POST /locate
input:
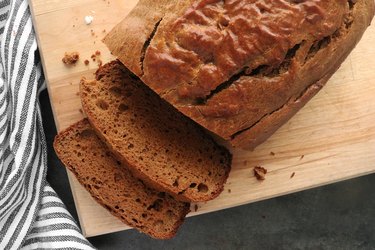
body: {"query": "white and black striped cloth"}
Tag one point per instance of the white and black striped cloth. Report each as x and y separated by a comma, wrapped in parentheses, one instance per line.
(31, 214)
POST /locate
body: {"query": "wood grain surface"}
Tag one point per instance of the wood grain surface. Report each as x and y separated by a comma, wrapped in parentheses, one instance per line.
(331, 139)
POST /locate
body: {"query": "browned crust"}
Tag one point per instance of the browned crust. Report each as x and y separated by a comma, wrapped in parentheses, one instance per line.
(142, 20)
(264, 128)
(238, 129)
(154, 234)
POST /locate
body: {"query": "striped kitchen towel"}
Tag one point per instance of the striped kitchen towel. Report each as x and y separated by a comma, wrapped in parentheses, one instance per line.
(31, 214)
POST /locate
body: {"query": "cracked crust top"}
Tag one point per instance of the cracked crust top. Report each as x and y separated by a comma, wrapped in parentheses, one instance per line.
(234, 65)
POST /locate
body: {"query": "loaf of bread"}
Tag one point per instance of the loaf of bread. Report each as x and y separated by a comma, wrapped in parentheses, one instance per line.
(239, 68)
(160, 146)
(111, 184)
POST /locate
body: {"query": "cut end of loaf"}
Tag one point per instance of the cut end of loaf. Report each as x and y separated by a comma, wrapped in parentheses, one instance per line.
(112, 185)
(162, 147)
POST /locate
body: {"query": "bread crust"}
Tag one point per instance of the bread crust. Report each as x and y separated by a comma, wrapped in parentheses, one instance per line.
(202, 58)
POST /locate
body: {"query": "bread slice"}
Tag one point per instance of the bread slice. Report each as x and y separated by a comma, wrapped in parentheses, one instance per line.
(240, 69)
(159, 144)
(111, 184)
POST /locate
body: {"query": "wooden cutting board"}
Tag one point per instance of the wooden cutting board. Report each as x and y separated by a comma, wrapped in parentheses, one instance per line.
(331, 139)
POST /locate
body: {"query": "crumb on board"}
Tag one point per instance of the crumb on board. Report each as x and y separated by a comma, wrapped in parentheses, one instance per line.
(245, 162)
(104, 31)
(229, 190)
(86, 62)
(302, 156)
(92, 32)
(292, 175)
(70, 58)
(77, 93)
(272, 153)
(81, 111)
(88, 19)
(195, 208)
(97, 53)
(260, 173)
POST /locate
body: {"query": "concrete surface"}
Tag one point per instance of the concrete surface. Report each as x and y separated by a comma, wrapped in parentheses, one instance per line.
(338, 216)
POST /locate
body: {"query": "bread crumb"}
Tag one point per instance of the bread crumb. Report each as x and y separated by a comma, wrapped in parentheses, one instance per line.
(92, 32)
(81, 111)
(77, 93)
(260, 173)
(87, 62)
(88, 19)
(229, 190)
(302, 156)
(195, 208)
(96, 58)
(104, 31)
(293, 174)
(70, 58)
(272, 153)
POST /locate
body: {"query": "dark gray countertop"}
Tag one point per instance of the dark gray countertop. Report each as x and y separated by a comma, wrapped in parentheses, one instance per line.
(338, 216)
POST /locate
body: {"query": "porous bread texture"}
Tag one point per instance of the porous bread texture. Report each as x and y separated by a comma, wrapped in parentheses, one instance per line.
(112, 185)
(240, 68)
(161, 146)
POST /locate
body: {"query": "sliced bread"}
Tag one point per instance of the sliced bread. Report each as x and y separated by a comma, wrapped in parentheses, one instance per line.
(159, 144)
(111, 184)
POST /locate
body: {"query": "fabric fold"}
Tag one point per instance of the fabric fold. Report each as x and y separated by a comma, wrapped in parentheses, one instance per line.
(31, 214)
